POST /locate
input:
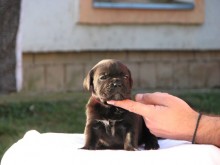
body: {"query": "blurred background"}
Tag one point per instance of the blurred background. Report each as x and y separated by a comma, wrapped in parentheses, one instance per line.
(47, 47)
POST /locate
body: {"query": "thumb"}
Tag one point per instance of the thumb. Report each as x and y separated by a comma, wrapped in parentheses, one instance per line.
(133, 106)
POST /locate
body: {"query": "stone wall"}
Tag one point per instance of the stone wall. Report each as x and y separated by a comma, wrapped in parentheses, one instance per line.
(58, 71)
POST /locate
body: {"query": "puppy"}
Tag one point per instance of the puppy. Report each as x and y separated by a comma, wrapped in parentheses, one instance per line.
(107, 126)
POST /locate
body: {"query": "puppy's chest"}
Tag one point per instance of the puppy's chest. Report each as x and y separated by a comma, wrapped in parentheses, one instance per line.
(111, 121)
(110, 125)
(112, 113)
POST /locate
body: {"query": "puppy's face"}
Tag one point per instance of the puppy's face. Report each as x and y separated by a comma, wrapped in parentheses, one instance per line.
(109, 80)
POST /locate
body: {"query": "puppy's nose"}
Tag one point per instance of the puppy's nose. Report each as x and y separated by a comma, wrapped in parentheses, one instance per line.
(117, 84)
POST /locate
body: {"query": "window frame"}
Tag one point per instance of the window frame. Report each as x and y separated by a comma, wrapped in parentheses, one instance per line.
(135, 5)
(90, 15)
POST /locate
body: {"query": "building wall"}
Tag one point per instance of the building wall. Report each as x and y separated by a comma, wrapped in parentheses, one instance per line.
(150, 69)
(53, 26)
(59, 51)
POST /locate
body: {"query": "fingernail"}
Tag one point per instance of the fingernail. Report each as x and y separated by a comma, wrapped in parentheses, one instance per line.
(139, 97)
(111, 102)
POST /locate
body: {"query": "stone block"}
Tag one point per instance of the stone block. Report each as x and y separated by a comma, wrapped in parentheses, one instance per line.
(204, 75)
(33, 78)
(98, 56)
(46, 58)
(77, 57)
(168, 56)
(203, 56)
(213, 75)
(62, 58)
(140, 56)
(207, 56)
(74, 77)
(164, 72)
(198, 75)
(28, 59)
(55, 77)
(215, 56)
(181, 75)
(147, 75)
(185, 56)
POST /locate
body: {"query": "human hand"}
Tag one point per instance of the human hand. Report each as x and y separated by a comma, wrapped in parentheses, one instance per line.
(165, 115)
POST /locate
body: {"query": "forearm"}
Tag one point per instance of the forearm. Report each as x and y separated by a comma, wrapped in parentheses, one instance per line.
(209, 131)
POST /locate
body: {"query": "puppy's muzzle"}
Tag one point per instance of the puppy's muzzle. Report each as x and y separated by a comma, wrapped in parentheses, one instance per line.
(117, 84)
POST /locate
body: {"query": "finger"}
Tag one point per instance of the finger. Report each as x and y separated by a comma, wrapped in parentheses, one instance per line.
(162, 99)
(132, 106)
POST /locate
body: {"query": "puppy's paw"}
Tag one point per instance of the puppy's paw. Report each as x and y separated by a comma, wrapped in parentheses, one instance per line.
(87, 148)
(130, 148)
(152, 144)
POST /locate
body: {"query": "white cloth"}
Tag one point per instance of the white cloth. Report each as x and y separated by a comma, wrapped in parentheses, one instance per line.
(63, 149)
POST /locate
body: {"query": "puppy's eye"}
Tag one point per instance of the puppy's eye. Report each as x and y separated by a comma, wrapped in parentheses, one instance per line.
(126, 76)
(103, 77)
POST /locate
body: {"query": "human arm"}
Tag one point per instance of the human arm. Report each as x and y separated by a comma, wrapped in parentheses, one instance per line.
(209, 130)
(168, 116)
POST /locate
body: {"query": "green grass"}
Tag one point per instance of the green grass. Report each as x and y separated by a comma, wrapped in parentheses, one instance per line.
(60, 112)
(65, 112)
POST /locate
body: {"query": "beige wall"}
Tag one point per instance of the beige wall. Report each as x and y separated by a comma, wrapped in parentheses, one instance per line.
(150, 69)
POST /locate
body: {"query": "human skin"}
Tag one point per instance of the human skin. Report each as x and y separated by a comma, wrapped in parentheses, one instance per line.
(168, 116)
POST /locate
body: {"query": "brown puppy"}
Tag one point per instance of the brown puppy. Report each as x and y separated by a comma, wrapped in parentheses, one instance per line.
(107, 126)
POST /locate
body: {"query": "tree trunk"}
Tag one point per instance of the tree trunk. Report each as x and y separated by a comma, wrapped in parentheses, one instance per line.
(9, 23)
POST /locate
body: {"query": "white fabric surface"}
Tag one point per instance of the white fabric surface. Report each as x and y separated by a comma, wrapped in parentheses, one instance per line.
(63, 149)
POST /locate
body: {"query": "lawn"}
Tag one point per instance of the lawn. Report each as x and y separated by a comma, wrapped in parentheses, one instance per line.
(65, 112)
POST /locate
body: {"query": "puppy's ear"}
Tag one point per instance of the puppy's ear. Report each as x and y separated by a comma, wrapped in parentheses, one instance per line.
(88, 81)
(130, 79)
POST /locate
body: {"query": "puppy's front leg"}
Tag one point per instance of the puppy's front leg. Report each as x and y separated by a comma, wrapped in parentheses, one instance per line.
(129, 143)
(90, 138)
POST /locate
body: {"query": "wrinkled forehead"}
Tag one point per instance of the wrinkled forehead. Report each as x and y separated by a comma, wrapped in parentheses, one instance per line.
(112, 68)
